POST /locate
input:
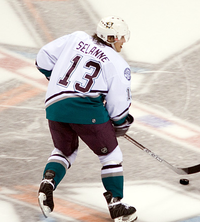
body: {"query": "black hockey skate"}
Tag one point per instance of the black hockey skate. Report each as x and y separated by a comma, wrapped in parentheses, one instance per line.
(119, 211)
(45, 194)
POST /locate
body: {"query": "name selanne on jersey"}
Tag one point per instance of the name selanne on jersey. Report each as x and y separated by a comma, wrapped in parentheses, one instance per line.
(89, 83)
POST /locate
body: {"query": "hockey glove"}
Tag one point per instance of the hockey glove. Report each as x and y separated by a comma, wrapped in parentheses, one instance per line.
(120, 130)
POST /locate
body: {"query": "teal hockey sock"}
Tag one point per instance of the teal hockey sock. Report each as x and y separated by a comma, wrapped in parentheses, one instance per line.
(59, 170)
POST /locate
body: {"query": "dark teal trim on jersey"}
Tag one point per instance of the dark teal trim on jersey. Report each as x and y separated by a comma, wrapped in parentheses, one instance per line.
(119, 122)
(59, 170)
(79, 110)
(115, 185)
(47, 73)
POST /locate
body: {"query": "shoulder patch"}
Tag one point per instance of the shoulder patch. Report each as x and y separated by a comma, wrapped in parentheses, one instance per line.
(127, 74)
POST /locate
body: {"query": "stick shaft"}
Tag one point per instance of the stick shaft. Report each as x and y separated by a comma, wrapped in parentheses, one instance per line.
(181, 171)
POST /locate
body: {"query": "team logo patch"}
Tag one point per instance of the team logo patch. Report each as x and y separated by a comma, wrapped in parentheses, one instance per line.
(127, 74)
(104, 150)
(108, 24)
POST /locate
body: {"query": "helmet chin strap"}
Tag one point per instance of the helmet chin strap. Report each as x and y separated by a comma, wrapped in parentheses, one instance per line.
(113, 43)
(113, 46)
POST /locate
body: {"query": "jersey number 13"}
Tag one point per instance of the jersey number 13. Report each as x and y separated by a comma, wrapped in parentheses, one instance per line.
(65, 81)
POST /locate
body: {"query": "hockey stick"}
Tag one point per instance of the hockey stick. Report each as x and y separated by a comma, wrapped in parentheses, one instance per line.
(181, 171)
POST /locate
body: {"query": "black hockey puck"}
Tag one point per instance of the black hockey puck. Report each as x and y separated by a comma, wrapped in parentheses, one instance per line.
(184, 181)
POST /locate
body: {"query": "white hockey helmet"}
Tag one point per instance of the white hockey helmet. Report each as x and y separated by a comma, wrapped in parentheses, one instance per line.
(112, 26)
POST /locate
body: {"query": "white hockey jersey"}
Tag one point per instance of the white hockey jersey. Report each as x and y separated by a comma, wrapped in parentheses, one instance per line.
(83, 75)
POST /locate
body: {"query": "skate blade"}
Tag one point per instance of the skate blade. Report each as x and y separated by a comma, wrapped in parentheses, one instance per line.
(129, 218)
(45, 209)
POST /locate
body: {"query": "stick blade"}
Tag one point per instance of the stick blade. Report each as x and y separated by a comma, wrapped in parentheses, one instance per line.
(192, 169)
(184, 171)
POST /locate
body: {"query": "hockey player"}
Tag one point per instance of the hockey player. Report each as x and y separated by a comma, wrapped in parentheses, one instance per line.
(88, 96)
